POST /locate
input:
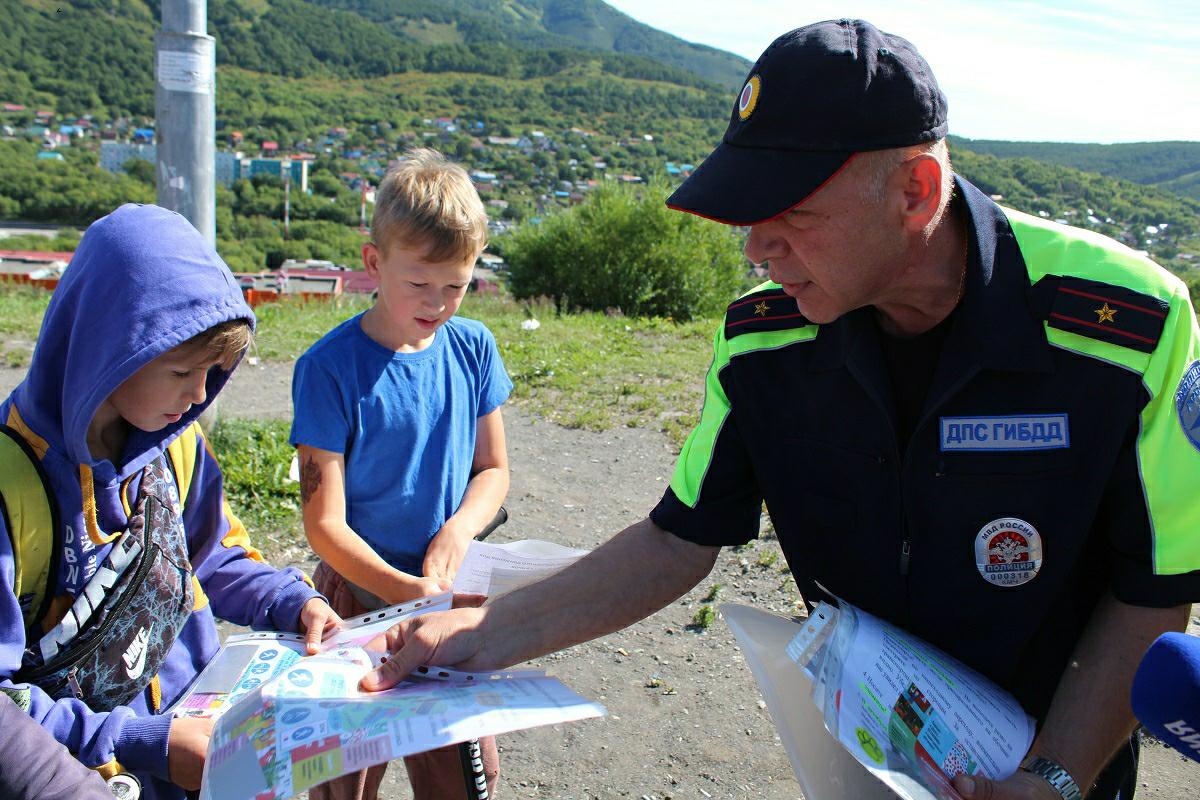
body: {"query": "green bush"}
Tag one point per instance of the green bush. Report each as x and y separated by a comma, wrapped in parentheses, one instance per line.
(623, 249)
(254, 457)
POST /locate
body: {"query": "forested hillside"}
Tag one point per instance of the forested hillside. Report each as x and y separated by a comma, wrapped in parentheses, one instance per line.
(531, 93)
(1174, 166)
(50, 54)
(546, 24)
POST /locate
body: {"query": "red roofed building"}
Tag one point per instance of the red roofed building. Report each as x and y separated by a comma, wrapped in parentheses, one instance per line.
(37, 267)
(39, 257)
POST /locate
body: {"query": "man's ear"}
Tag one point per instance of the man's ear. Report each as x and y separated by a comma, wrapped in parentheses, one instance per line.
(370, 257)
(921, 178)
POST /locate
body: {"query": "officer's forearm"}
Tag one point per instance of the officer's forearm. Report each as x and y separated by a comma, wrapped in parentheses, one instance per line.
(1091, 715)
(637, 572)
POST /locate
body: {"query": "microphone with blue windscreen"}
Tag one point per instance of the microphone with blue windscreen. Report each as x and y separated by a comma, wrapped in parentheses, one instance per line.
(1166, 692)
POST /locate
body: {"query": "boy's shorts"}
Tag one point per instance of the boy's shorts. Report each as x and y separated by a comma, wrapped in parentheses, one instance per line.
(435, 775)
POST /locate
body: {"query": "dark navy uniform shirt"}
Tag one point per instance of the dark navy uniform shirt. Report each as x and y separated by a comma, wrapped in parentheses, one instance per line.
(1057, 454)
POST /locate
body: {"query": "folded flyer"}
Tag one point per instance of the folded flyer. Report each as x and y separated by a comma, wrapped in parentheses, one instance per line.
(910, 714)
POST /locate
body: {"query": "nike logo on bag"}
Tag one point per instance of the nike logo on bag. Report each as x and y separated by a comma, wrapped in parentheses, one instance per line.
(135, 654)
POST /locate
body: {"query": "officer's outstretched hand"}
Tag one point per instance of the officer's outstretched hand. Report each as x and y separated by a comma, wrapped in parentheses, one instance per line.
(445, 638)
(1018, 786)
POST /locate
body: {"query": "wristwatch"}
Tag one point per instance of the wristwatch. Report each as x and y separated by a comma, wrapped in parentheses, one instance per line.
(1054, 774)
(125, 787)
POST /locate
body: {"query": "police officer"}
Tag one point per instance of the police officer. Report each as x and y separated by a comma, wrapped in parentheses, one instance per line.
(977, 425)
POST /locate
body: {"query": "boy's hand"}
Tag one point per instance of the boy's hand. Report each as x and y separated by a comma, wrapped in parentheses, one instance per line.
(446, 552)
(187, 743)
(317, 620)
(413, 588)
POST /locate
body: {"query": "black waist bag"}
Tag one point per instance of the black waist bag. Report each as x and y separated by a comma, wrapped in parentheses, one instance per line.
(113, 639)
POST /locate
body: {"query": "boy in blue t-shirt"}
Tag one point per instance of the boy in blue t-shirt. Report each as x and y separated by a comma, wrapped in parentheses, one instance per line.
(398, 429)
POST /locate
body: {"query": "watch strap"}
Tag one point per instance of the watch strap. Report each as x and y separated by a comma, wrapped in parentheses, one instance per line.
(1054, 774)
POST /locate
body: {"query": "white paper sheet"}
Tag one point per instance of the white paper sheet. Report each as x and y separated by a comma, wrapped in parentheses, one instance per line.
(496, 569)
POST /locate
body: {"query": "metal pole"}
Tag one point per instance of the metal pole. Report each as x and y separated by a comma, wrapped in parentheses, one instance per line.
(362, 208)
(185, 111)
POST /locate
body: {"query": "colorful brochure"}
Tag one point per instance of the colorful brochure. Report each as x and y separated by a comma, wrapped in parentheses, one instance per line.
(913, 716)
(286, 722)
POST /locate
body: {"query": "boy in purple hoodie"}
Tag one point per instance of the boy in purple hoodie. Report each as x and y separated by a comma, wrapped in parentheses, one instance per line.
(142, 332)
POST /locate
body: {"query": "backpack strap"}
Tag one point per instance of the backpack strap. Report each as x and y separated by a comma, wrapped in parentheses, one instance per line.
(32, 518)
(182, 454)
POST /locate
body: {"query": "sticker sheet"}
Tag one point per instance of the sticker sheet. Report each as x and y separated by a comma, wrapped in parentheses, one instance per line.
(286, 722)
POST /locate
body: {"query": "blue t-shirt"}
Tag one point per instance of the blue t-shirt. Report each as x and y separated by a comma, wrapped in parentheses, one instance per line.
(405, 424)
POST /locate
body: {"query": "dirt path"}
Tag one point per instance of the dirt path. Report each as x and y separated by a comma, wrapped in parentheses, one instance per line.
(685, 719)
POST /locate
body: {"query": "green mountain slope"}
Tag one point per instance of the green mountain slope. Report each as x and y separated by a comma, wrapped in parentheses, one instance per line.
(51, 55)
(546, 24)
(1185, 185)
(1174, 166)
(1033, 186)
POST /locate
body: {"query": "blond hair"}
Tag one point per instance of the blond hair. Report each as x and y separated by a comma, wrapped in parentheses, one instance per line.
(426, 201)
(224, 343)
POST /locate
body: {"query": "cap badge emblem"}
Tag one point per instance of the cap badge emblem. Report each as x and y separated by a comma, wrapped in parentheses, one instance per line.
(748, 99)
(1008, 552)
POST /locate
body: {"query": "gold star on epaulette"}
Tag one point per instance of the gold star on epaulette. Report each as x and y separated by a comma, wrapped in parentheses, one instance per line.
(1106, 314)
(762, 308)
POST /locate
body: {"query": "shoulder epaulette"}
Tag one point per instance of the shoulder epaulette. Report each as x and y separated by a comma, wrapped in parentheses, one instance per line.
(1103, 311)
(764, 310)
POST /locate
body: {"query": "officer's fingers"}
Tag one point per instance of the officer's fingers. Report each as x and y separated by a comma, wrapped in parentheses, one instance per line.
(393, 637)
(974, 787)
(397, 667)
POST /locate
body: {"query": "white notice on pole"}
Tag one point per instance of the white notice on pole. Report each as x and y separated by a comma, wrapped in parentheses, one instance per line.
(185, 72)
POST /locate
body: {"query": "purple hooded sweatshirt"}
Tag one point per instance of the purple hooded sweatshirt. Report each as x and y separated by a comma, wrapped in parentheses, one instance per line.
(142, 282)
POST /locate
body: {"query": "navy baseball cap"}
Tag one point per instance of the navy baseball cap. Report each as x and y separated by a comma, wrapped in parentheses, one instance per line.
(814, 98)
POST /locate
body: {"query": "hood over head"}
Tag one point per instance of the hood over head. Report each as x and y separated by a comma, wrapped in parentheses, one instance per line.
(142, 282)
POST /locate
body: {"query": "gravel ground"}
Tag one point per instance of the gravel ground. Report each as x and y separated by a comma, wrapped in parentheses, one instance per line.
(685, 719)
